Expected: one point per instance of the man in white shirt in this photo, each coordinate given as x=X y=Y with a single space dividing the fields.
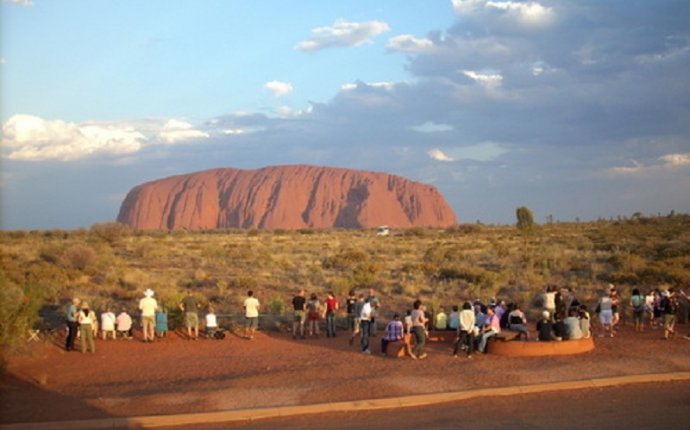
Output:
x=148 y=306
x=365 y=326
x=251 y=315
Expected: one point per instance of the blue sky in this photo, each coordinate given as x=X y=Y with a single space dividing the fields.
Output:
x=577 y=109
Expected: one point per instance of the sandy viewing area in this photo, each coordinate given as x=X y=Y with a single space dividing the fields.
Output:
x=176 y=375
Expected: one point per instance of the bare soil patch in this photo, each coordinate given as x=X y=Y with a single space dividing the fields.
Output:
x=176 y=375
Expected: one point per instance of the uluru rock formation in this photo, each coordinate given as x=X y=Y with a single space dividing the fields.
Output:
x=284 y=197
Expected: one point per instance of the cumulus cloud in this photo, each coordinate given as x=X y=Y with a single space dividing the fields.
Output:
x=676 y=159
x=524 y=13
x=438 y=155
x=529 y=13
x=279 y=88
x=409 y=44
x=175 y=131
x=28 y=137
x=664 y=163
x=343 y=33
x=487 y=80
x=32 y=138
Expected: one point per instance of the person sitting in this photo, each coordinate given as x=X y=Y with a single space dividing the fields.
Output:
x=559 y=332
x=441 y=320
x=572 y=325
x=545 y=328
x=211 y=323
x=583 y=316
x=108 y=323
x=161 y=322
x=517 y=322
x=479 y=315
x=454 y=318
x=491 y=328
x=393 y=333
x=124 y=325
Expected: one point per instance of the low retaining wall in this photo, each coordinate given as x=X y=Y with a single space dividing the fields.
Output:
x=517 y=348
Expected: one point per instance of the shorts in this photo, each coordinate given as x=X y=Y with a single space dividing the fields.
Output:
x=314 y=316
x=300 y=317
x=606 y=317
x=191 y=320
x=147 y=322
x=669 y=320
x=251 y=322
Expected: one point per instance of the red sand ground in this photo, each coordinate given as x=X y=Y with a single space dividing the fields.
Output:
x=175 y=375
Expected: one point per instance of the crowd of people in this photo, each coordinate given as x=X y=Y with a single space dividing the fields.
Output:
x=562 y=318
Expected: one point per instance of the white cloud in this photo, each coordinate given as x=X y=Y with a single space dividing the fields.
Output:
x=438 y=155
x=666 y=162
x=288 y=112
x=676 y=159
x=343 y=33
x=525 y=13
x=488 y=80
x=175 y=131
x=463 y=7
x=28 y=137
x=389 y=86
x=279 y=88
x=431 y=127
x=33 y=138
x=19 y=2
x=530 y=13
x=410 y=44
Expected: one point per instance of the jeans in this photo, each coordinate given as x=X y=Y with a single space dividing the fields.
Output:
x=465 y=338
x=365 y=327
x=420 y=339
x=485 y=337
x=330 y=324
x=71 y=335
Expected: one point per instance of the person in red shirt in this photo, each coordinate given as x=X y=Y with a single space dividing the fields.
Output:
x=331 y=309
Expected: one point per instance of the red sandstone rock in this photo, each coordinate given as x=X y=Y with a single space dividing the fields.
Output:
x=284 y=197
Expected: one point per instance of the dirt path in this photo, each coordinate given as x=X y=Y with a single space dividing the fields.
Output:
x=129 y=378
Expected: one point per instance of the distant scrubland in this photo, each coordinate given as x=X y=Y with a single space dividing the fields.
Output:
x=110 y=264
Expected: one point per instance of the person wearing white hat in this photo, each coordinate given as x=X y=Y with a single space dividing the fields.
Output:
x=148 y=306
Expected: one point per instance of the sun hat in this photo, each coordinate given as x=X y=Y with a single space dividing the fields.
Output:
x=148 y=292
x=545 y=314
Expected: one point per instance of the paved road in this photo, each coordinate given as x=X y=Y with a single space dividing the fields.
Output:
x=664 y=406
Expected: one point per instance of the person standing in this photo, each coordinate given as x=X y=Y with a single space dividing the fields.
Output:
x=331 y=309
x=299 y=305
x=359 y=304
x=375 y=305
x=465 y=330
x=419 y=332
x=87 y=320
x=190 y=307
x=350 y=305
x=365 y=326
x=148 y=306
x=669 y=308
x=72 y=325
x=251 y=315
x=637 y=302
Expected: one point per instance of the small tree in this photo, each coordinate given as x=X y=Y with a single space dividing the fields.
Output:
x=525 y=219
